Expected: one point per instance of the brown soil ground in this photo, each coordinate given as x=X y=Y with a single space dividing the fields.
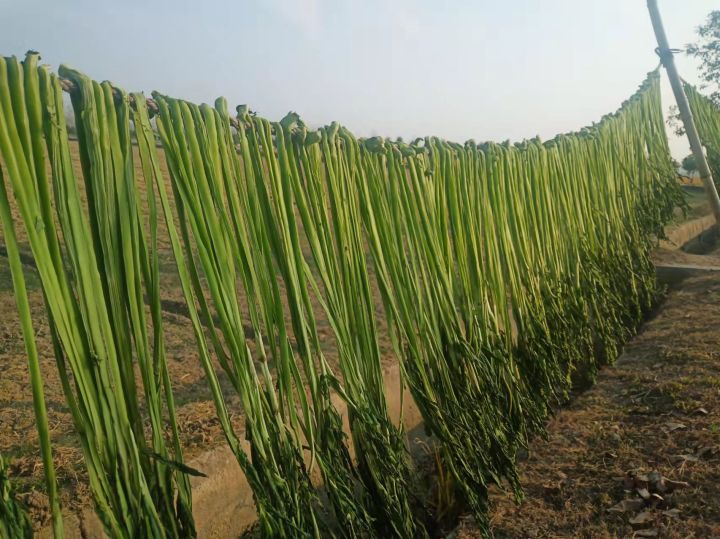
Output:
x=654 y=412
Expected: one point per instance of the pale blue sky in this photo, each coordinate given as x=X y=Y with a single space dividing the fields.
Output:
x=488 y=70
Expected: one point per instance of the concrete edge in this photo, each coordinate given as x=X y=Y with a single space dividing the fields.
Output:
x=678 y=236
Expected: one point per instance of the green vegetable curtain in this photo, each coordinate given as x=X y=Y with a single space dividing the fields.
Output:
x=495 y=270
x=14 y=521
x=707 y=119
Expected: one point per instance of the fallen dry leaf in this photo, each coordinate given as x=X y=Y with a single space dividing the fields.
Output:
x=674 y=485
x=672 y=427
x=656 y=500
x=672 y=513
x=651 y=532
x=685 y=458
x=633 y=481
x=627 y=506
x=656 y=482
x=642 y=519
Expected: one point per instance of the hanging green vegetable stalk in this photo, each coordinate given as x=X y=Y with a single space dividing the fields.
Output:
x=128 y=264
x=234 y=254
x=14 y=522
x=11 y=76
x=457 y=379
x=707 y=119
x=266 y=145
x=91 y=274
x=321 y=168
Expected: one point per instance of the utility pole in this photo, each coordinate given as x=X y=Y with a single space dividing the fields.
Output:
x=668 y=62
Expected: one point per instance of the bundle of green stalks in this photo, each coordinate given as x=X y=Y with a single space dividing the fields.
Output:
x=14 y=522
x=224 y=238
x=707 y=119
x=234 y=193
x=96 y=266
x=501 y=270
x=455 y=365
x=549 y=240
x=322 y=170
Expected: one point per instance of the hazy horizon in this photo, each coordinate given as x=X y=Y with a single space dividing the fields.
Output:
x=457 y=70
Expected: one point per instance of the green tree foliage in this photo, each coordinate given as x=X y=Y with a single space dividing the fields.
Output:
x=707 y=50
x=690 y=164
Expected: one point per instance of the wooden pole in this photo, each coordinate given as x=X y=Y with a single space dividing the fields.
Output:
x=668 y=62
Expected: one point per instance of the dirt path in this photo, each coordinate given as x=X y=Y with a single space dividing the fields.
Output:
x=652 y=422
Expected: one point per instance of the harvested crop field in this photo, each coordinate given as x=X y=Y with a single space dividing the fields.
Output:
x=653 y=414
